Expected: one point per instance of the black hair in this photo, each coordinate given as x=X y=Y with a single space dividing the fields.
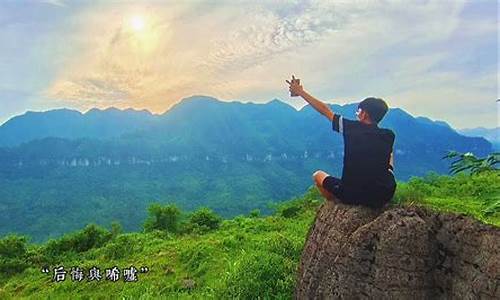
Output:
x=375 y=107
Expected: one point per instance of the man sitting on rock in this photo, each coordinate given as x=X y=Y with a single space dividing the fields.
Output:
x=367 y=174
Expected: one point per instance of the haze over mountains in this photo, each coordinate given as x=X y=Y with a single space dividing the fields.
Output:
x=490 y=134
x=107 y=165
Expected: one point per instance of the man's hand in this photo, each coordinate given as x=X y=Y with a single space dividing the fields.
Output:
x=295 y=87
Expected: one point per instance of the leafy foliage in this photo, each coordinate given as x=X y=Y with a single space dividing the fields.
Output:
x=13 y=246
x=469 y=163
x=205 y=218
x=92 y=236
x=116 y=229
x=254 y=213
x=12 y=254
x=162 y=218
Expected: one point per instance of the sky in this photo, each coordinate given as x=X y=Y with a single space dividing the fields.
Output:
x=437 y=59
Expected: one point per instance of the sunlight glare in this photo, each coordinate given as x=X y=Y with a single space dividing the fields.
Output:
x=137 y=23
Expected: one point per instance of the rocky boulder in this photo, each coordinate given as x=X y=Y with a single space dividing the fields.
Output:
x=400 y=253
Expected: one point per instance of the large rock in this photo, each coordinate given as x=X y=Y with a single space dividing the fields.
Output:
x=400 y=253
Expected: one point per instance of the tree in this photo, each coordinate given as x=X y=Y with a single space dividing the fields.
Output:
x=162 y=218
x=205 y=217
x=469 y=163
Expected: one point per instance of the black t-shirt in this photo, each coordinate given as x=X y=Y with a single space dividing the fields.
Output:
x=367 y=177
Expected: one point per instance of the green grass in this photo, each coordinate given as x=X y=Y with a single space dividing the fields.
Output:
x=247 y=257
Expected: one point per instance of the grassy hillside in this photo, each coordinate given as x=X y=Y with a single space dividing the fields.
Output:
x=245 y=257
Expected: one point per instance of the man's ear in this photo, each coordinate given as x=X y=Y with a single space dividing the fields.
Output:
x=367 y=116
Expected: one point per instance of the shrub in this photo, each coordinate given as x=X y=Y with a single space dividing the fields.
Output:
x=92 y=236
x=290 y=212
x=116 y=229
x=11 y=266
x=13 y=246
x=162 y=218
x=13 y=254
x=205 y=217
x=121 y=247
x=254 y=213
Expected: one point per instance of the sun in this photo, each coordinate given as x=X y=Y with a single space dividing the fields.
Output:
x=142 y=34
x=137 y=23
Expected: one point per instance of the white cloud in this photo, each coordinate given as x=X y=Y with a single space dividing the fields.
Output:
x=342 y=51
x=60 y=3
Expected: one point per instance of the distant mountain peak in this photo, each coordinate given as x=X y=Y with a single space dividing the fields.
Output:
x=479 y=128
x=52 y=111
x=199 y=98
x=277 y=101
x=113 y=109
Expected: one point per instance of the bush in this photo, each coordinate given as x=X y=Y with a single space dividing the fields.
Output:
x=121 y=247
x=205 y=217
x=13 y=246
x=13 y=254
x=290 y=212
x=254 y=213
x=92 y=236
x=11 y=266
x=116 y=229
x=162 y=218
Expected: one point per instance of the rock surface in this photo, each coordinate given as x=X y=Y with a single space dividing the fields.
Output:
x=401 y=253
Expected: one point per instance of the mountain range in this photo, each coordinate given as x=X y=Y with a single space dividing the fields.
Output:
x=490 y=134
x=109 y=165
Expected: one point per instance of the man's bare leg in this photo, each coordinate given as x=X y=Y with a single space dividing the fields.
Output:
x=318 y=178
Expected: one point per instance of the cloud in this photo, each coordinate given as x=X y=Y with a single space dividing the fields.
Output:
x=343 y=51
x=194 y=54
x=60 y=3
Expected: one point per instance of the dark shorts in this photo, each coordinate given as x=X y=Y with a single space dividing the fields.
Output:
x=333 y=185
x=371 y=198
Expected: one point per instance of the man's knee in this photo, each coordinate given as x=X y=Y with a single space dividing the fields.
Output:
x=316 y=174
x=319 y=176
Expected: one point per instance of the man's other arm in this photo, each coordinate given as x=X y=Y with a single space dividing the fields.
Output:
x=321 y=107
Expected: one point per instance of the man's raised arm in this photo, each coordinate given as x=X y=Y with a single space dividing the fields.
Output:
x=322 y=108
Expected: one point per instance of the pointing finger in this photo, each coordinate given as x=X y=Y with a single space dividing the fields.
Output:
x=288 y=82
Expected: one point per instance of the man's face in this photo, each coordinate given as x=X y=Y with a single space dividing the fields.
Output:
x=361 y=115
x=358 y=113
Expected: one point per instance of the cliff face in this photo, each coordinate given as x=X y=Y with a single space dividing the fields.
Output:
x=401 y=253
